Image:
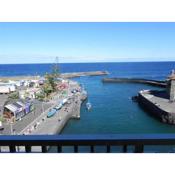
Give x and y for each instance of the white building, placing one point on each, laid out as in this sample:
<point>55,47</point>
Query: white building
<point>6,88</point>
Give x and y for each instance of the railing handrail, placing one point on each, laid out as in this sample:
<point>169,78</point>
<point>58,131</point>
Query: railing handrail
<point>108,140</point>
<point>90,137</point>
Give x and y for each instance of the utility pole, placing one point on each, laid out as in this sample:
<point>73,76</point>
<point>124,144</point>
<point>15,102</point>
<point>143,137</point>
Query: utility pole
<point>56,68</point>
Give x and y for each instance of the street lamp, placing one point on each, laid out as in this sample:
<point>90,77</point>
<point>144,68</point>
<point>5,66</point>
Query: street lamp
<point>11,127</point>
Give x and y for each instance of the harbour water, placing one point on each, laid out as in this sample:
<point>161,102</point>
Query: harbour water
<point>113,111</point>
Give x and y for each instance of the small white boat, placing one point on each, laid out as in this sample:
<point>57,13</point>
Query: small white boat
<point>88,106</point>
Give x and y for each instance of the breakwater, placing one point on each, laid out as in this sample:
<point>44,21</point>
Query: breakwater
<point>136,80</point>
<point>79,74</point>
<point>62,75</point>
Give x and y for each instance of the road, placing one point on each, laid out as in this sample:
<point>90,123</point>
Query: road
<point>20,125</point>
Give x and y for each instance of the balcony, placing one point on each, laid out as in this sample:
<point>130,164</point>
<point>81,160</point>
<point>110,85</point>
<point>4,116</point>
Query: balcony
<point>137,141</point>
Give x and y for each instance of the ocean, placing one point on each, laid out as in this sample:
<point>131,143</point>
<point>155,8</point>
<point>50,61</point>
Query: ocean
<point>113,111</point>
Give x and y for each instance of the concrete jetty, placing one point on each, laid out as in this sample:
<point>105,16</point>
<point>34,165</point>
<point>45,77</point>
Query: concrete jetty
<point>79,74</point>
<point>136,80</point>
<point>158,104</point>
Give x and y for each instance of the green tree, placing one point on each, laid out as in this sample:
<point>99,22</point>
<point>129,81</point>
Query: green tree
<point>14,95</point>
<point>49,85</point>
<point>47,88</point>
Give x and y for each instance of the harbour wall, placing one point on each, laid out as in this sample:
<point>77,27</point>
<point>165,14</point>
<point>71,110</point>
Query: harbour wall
<point>135,80</point>
<point>79,74</point>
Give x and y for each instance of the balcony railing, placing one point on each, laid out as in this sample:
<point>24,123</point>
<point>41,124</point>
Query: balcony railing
<point>138,141</point>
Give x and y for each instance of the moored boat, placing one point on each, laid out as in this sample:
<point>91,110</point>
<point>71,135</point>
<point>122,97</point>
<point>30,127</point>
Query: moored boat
<point>88,106</point>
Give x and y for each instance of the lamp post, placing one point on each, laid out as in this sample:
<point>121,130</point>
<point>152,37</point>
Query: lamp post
<point>11,127</point>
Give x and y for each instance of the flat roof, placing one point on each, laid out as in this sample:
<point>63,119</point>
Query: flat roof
<point>11,107</point>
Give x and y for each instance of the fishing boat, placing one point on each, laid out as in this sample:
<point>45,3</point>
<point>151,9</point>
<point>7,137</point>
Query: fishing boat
<point>88,106</point>
<point>51,113</point>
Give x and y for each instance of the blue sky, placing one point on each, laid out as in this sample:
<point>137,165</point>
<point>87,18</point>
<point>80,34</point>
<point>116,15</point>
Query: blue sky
<point>86,42</point>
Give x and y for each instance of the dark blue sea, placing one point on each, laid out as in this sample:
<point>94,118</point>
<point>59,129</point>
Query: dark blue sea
<point>113,111</point>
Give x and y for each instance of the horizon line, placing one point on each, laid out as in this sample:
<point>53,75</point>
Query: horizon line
<point>92,62</point>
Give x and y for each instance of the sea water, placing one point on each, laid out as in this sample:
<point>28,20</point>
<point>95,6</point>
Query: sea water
<point>113,111</point>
